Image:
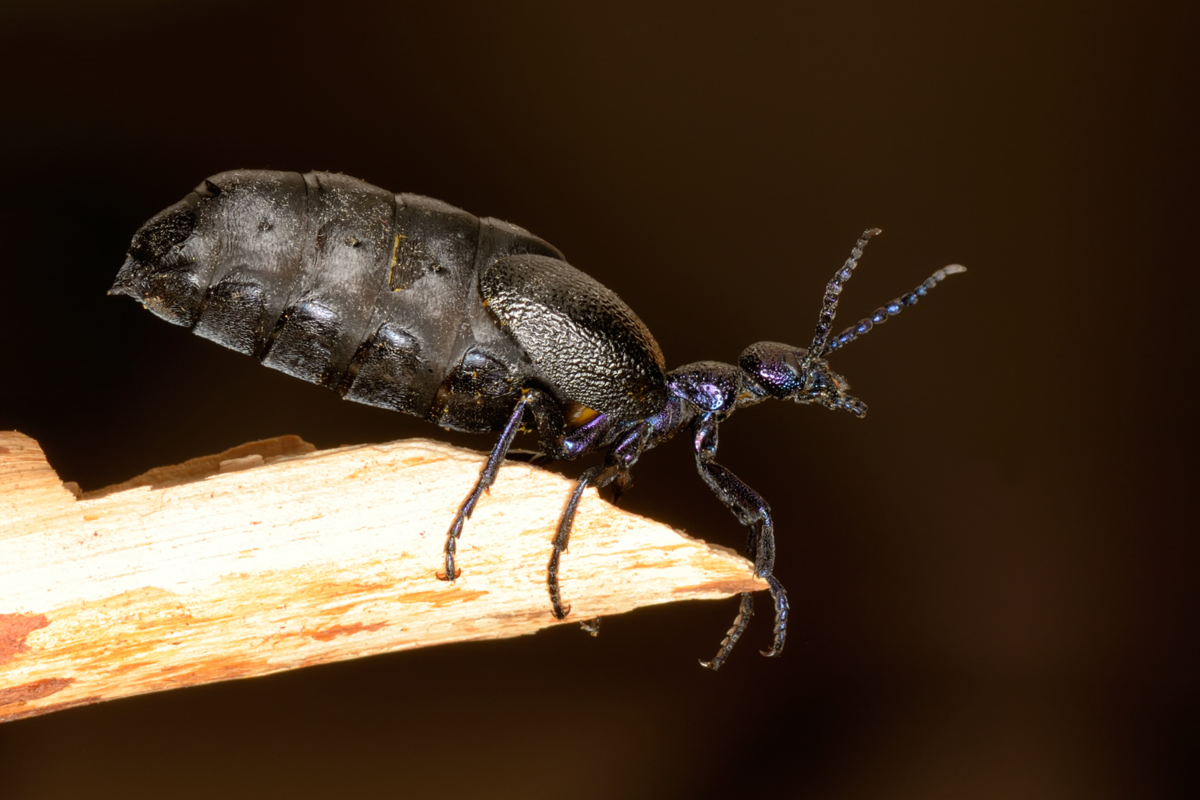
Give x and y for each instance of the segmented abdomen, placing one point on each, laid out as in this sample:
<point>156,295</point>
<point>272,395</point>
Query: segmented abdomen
<point>330,279</point>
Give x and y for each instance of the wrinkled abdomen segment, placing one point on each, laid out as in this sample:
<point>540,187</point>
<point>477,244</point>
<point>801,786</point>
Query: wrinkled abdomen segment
<point>335,281</point>
<point>419,290</point>
<point>322,276</point>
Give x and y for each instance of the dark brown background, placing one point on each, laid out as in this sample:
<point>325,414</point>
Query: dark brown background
<point>992,575</point>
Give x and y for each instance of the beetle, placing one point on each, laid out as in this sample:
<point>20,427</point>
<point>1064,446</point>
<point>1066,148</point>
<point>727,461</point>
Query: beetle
<point>408,303</point>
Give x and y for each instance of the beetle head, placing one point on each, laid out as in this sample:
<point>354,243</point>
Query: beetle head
<point>785,372</point>
<point>802,375</point>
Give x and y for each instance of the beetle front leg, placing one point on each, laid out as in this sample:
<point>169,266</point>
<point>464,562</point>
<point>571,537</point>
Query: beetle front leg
<point>751,510</point>
<point>740,623</point>
<point>487,476</point>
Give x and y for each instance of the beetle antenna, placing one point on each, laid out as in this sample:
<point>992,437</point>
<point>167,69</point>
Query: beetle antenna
<point>833,289</point>
<point>891,309</point>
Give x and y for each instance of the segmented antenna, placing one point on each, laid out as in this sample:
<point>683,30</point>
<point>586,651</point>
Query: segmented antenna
<point>891,309</point>
<point>833,289</point>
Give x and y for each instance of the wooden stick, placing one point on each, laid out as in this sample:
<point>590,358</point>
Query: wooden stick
<point>270,558</point>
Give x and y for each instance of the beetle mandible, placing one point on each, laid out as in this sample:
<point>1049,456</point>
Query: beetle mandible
<point>408,303</point>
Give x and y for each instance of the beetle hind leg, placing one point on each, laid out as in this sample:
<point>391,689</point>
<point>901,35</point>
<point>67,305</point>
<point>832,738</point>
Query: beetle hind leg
<point>487,476</point>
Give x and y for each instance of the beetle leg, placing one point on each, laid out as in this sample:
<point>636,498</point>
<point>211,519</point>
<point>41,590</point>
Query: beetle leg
<point>754,512</point>
<point>621,456</point>
<point>557,442</point>
<point>594,475</point>
<point>740,623</point>
<point>487,477</point>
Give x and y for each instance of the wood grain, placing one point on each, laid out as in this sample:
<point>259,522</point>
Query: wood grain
<point>273,557</point>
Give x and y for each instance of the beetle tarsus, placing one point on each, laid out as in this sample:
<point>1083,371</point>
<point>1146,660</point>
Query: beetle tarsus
<point>779,596</point>
<point>556,606</point>
<point>449,572</point>
<point>740,623</point>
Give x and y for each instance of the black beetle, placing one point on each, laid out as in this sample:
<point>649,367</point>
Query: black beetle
<point>404,302</point>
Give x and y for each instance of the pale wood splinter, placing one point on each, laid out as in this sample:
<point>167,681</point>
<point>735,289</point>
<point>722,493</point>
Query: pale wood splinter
<point>271,557</point>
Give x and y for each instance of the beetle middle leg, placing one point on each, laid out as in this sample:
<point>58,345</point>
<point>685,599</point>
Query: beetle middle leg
<point>623,454</point>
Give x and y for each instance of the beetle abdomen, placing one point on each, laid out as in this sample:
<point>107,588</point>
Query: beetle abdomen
<point>330,279</point>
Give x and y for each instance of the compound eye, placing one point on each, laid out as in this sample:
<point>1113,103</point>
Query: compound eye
<point>792,364</point>
<point>785,374</point>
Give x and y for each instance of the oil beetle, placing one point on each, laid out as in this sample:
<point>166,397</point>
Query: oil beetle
<point>408,303</point>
